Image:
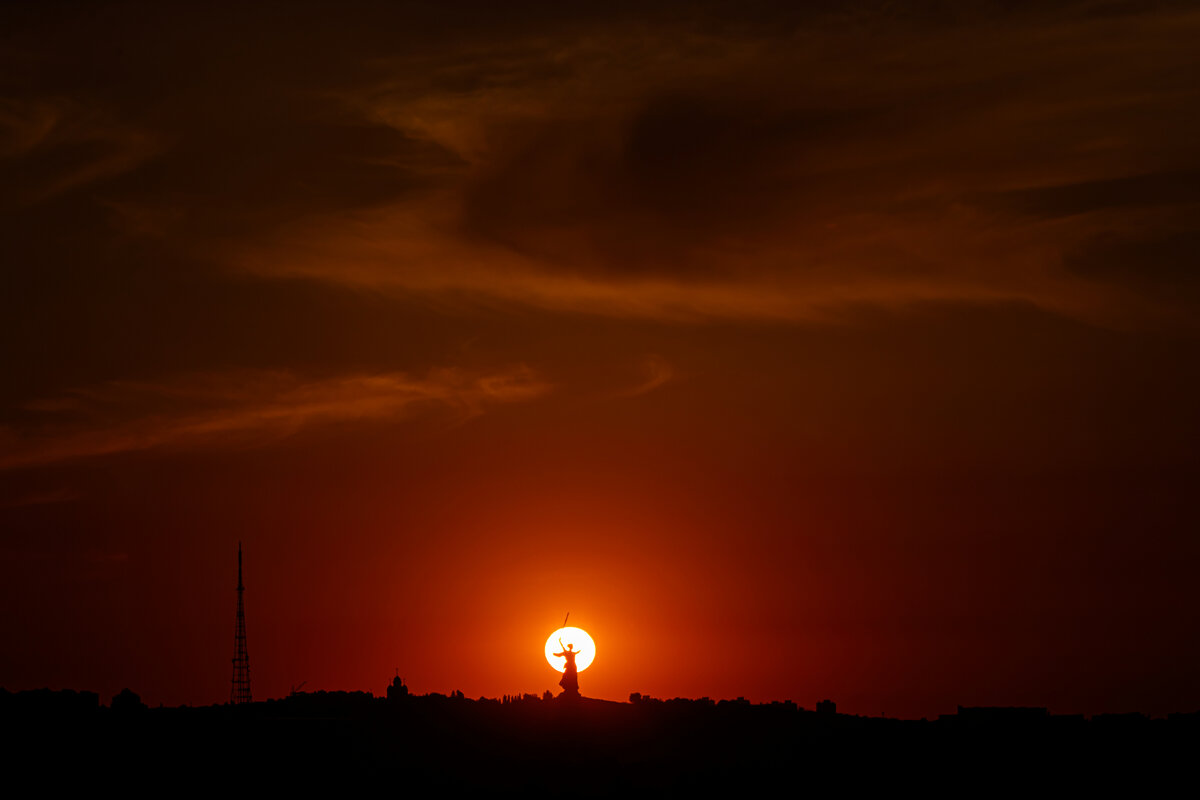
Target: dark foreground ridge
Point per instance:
(583, 747)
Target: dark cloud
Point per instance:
(644, 193)
(856, 153)
(1165, 266)
(715, 162)
(721, 144)
(1137, 191)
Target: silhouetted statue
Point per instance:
(570, 678)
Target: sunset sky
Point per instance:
(850, 350)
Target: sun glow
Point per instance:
(570, 636)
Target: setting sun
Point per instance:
(580, 642)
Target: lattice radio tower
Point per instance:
(239, 692)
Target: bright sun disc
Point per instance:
(570, 636)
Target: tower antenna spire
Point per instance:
(239, 691)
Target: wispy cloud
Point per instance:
(244, 408)
(656, 371)
(63, 144)
(42, 498)
(402, 251)
(772, 164)
(687, 174)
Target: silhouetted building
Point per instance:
(826, 707)
(397, 690)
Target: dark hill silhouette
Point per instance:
(355, 741)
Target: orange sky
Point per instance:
(844, 351)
